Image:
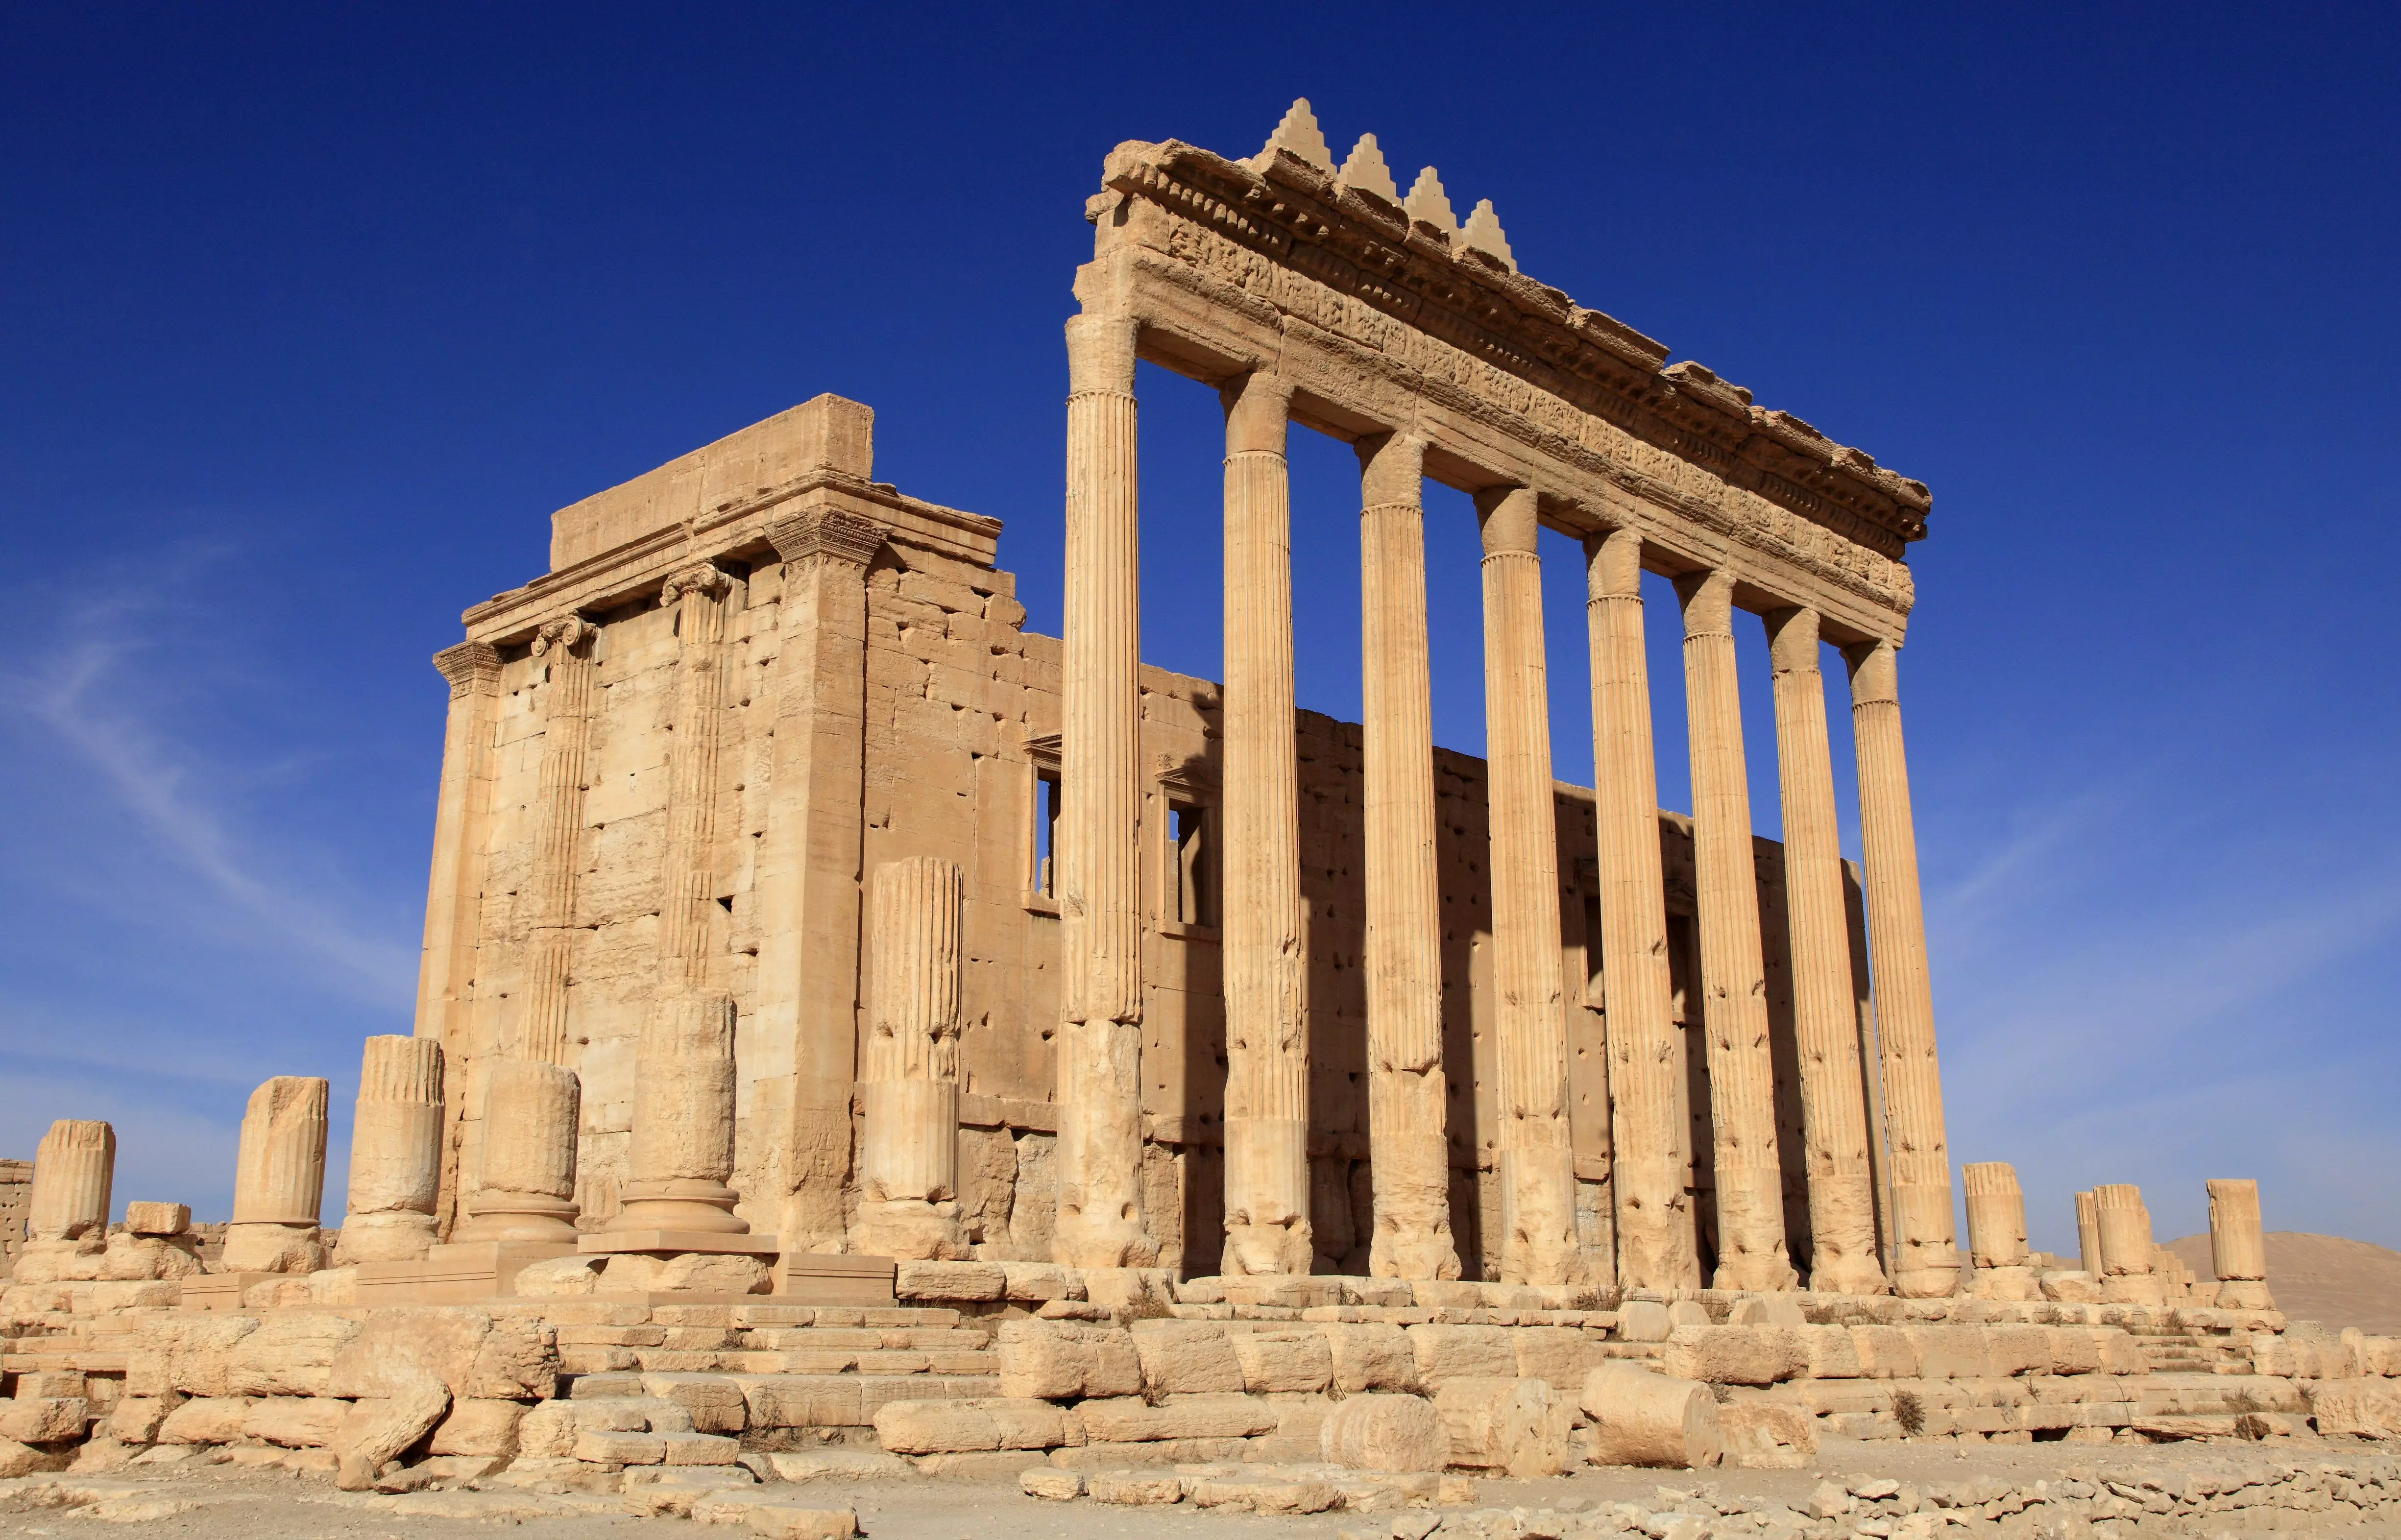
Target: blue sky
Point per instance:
(308, 318)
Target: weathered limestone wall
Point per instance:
(16, 1203)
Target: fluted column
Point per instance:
(1536, 1157)
(279, 1184)
(2087, 1234)
(395, 1153)
(807, 879)
(1997, 1237)
(1098, 1152)
(908, 1074)
(528, 1186)
(454, 900)
(699, 595)
(1734, 977)
(1825, 1012)
(681, 1158)
(565, 647)
(1408, 1149)
(1904, 998)
(74, 1168)
(2125, 1226)
(1266, 978)
(2238, 1246)
(1646, 1053)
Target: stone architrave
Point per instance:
(528, 1190)
(681, 1158)
(395, 1153)
(2087, 1234)
(279, 1185)
(807, 878)
(2126, 1245)
(1536, 1154)
(1733, 987)
(1408, 1149)
(1825, 1011)
(564, 647)
(1266, 963)
(1646, 1051)
(1929, 1258)
(1099, 1151)
(909, 1073)
(454, 903)
(1996, 1232)
(74, 1169)
(2238, 1246)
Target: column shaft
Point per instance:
(1537, 1159)
(1266, 979)
(681, 1158)
(2088, 1235)
(528, 1187)
(1734, 977)
(908, 1068)
(279, 1184)
(1996, 1232)
(454, 900)
(395, 1153)
(1408, 1150)
(1825, 1011)
(1098, 1152)
(565, 646)
(807, 882)
(2238, 1246)
(75, 1167)
(1646, 1051)
(1929, 1263)
(699, 595)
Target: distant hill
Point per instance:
(2322, 1278)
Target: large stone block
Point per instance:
(1558, 1356)
(1735, 1354)
(1886, 1352)
(965, 1428)
(479, 1429)
(189, 1351)
(296, 1422)
(2367, 1407)
(1132, 1420)
(1640, 1418)
(478, 1356)
(44, 1419)
(206, 1419)
(1371, 1356)
(714, 1403)
(1830, 1352)
(1186, 1358)
(1395, 1432)
(1506, 1423)
(951, 1280)
(1950, 1352)
(290, 1353)
(1295, 1361)
(1764, 1436)
(2014, 1350)
(1445, 1352)
(1055, 1360)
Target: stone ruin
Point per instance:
(853, 1027)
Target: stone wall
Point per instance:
(16, 1204)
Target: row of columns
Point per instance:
(1265, 1162)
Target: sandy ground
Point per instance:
(248, 1505)
(2322, 1278)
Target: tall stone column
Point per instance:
(2125, 1226)
(1734, 977)
(1537, 1157)
(808, 876)
(2087, 1234)
(1825, 1011)
(1099, 1153)
(1646, 1053)
(909, 1077)
(529, 1188)
(2238, 1246)
(454, 901)
(395, 1153)
(1266, 979)
(699, 595)
(1996, 1232)
(75, 1167)
(1409, 1155)
(565, 647)
(278, 1183)
(1929, 1263)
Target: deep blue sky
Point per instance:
(308, 318)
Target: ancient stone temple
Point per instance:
(1229, 987)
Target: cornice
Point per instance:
(1359, 245)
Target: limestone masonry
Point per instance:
(849, 1018)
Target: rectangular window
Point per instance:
(1195, 864)
(1046, 833)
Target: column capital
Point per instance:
(1392, 471)
(1510, 519)
(1259, 408)
(1101, 354)
(826, 532)
(1876, 674)
(1614, 565)
(1708, 602)
(569, 633)
(472, 668)
(1792, 639)
(705, 579)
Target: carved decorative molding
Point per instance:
(567, 632)
(472, 668)
(705, 579)
(826, 532)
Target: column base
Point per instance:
(910, 1230)
(533, 1218)
(2006, 1283)
(2133, 1288)
(687, 1206)
(273, 1248)
(1925, 1283)
(2245, 1294)
(400, 1236)
(808, 1277)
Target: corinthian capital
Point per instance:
(568, 632)
(702, 577)
(826, 532)
(472, 668)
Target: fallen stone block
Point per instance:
(1051, 1482)
(941, 1280)
(1130, 1420)
(958, 1427)
(1056, 1360)
(387, 1428)
(1506, 1423)
(1135, 1488)
(44, 1420)
(621, 1449)
(1735, 1354)
(1261, 1496)
(1640, 1418)
(1643, 1321)
(699, 1448)
(1764, 1436)
(714, 1403)
(1384, 1433)
(205, 1420)
(294, 1422)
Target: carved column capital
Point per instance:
(826, 532)
(472, 668)
(704, 579)
(569, 632)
